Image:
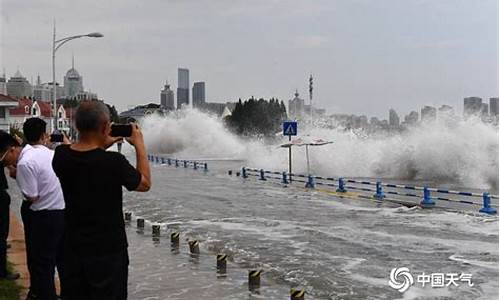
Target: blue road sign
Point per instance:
(290, 128)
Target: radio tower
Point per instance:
(311, 97)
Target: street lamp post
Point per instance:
(56, 44)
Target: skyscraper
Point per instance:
(18, 86)
(199, 94)
(182, 87)
(3, 84)
(73, 82)
(167, 97)
(494, 107)
(472, 106)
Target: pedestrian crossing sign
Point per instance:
(290, 128)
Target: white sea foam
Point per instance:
(463, 153)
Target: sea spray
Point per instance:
(463, 153)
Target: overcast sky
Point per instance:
(366, 55)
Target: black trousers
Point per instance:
(4, 230)
(25, 217)
(95, 277)
(46, 232)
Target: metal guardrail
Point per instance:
(177, 162)
(340, 183)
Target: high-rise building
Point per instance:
(411, 118)
(3, 84)
(73, 82)
(296, 107)
(182, 87)
(18, 86)
(393, 118)
(494, 107)
(42, 91)
(199, 94)
(428, 113)
(167, 100)
(484, 110)
(472, 106)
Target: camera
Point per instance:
(121, 130)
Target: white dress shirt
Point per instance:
(36, 178)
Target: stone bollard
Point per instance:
(427, 202)
(310, 182)
(284, 180)
(194, 247)
(341, 188)
(297, 294)
(262, 175)
(254, 279)
(244, 173)
(140, 223)
(379, 194)
(128, 217)
(221, 263)
(156, 230)
(174, 239)
(487, 209)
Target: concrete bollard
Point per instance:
(194, 247)
(229, 172)
(254, 279)
(221, 263)
(128, 216)
(341, 188)
(174, 239)
(284, 179)
(140, 223)
(427, 202)
(156, 230)
(310, 182)
(244, 173)
(379, 194)
(195, 165)
(262, 175)
(487, 209)
(297, 294)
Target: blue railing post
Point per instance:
(185, 164)
(310, 182)
(379, 194)
(262, 176)
(169, 161)
(205, 166)
(341, 188)
(487, 209)
(427, 201)
(195, 165)
(176, 162)
(244, 173)
(284, 180)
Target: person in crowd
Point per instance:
(42, 191)
(5, 217)
(95, 254)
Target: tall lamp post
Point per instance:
(56, 44)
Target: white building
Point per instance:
(6, 103)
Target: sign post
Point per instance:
(290, 128)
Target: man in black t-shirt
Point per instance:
(95, 256)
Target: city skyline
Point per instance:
(432, 57)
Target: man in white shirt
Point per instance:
(40, 186)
